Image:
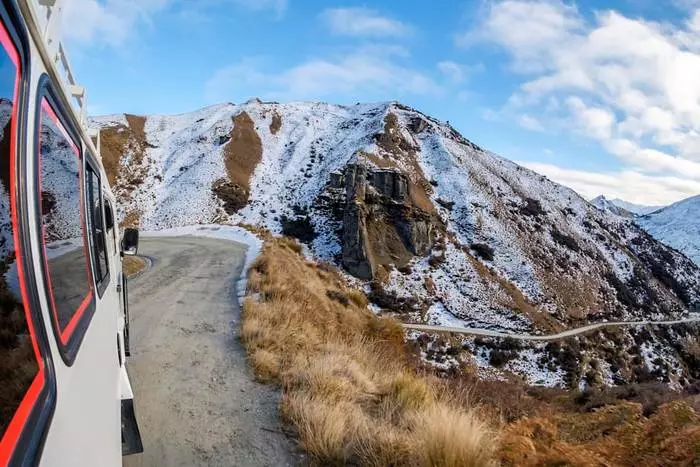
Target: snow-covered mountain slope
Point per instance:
(444, 231)
(503, 247)
(622, 207)
(610, 206)
(677, 225)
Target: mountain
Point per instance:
(610, 206)
(635, 208)
(677, 225)
(441, 230)
(622, 208)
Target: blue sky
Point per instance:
(601, 96)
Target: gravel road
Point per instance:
(547, 337)
(195, 398)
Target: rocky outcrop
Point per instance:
(381, 227)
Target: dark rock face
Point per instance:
(380, 225)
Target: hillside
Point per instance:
(441, 230)
(677, 225)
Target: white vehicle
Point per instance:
(65, 396)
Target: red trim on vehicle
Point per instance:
(67, 332)
(14, 429)
(19, 420)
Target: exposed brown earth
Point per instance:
(276, 123)
(113, 142)
(137, 124)
(116, 142)
(241, 156)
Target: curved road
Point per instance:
(550, 337)
(195, 398)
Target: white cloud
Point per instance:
(530, 123)
(90, 22)
(454, 71)
(363, 22)
(629, 84)
(629, 185)
(374, 72)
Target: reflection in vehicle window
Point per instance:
(19, 364)
(98, 233)
(64, 233)
(109, 225)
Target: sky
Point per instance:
(602, 96)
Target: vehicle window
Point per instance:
(97, 226)
(109, 225)
(66, 251)
(21, 367)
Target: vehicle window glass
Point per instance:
(21, 373)
(97, 226)
(109, 224)
(65, 246)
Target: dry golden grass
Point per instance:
(615, 435)
(348, 387)
(355, 397)
(132, 265)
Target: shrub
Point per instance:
(499, 357)
(358, 298)
(291, 244)
(565, 240)
(483, 251)
(436, 259)
(449, 205)
(300, 228)
(532, 208)
(389, 300)
(338, 296)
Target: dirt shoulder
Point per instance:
(196, 400)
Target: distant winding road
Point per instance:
(195, 398)
(550, 337)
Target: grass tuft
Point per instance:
(132, 265)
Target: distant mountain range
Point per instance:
(677, 225)
(621, 207)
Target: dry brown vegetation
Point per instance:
(116, 140)
(132, 265)
(131, 219)
(276, 123)
(613, 435)
(349, 388)
(356, 394)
